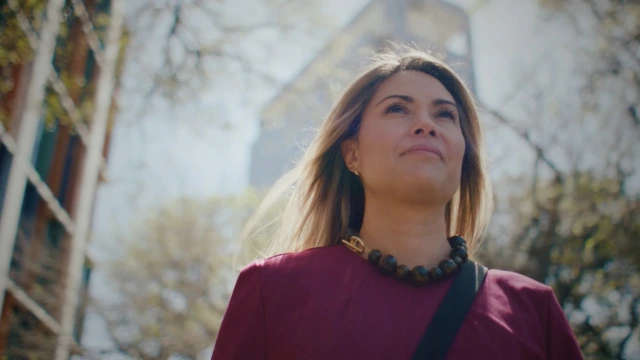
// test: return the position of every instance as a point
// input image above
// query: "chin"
(422, 184)
(426, 177)
(431, 182)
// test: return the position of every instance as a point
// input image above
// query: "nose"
(424, 125)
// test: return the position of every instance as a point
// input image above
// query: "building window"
(5, 166)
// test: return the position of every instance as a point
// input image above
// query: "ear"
(349, 149)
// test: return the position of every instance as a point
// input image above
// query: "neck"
(413, 233)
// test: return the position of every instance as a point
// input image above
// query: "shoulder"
(302, 279)
(517, 288)
(515, 281)
(304, 264)
(516, 300)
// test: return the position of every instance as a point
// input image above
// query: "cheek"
(376, 145)
(456, 149)
(460, 145)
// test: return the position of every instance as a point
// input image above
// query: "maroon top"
(328, 303)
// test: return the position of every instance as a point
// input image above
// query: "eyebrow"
(409, 99)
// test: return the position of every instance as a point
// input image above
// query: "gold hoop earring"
(357, 173)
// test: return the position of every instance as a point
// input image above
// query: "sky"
(169, 153)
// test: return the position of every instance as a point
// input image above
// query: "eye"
(396, 108)
(447, 113)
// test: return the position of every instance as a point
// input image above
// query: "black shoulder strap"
(451, 313)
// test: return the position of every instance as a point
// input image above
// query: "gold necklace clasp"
(355, 244)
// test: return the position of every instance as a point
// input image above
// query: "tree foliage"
(579, 234)
(173, 282)
(574, 220)
(16, 55)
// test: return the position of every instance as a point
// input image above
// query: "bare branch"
(524, 134)
(624, 43)
(633, 325)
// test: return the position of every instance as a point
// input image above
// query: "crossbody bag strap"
(451, 313)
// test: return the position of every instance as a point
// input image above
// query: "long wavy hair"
(323, 198)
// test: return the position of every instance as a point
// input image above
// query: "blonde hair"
(324, 198)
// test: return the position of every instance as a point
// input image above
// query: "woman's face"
(410, 142)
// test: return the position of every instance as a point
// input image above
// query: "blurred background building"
(439, 26)
(58, 72)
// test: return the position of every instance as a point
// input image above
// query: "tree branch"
(526, 137)
(624, 44)
(633, 309)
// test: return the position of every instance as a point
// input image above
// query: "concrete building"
(58, 79)
(288, 121)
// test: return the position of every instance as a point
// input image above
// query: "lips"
(425, 148)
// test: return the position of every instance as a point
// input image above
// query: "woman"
(399, 163)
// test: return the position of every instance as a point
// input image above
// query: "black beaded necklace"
(419, 275)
